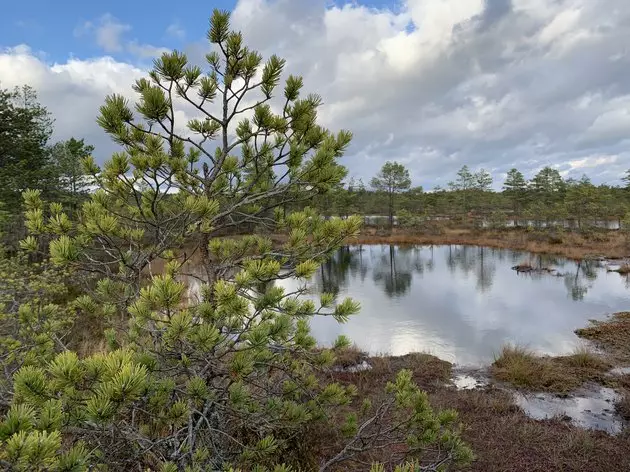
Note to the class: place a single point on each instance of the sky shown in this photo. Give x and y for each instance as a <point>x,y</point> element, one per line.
<point>432,84</point>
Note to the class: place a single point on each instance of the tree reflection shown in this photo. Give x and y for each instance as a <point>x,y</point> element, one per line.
<point>473,259</point>
<point>393,269</point>
<point>334,275</point>
<point>581,280</point>
<point>578,280</point>
<point>485,269</point>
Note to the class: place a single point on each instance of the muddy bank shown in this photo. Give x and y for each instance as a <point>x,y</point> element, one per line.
<point>607,244</point>
<point>507,429</point>
<point>528,412</point>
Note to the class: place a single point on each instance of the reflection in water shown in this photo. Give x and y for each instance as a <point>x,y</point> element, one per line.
<point>345,263</point>
<point>463,303</point>
<point>393,271</point>
<point>593,409</point>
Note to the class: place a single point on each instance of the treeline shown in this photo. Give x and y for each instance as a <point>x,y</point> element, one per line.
<point>545,199</point>
<point>29,160</point>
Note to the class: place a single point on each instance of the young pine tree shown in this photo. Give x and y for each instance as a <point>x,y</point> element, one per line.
<point>226,376</point>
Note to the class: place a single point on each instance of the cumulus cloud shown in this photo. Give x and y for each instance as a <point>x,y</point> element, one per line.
<point>73,91</point>
<point>108,32</point>
<point>433,84</point>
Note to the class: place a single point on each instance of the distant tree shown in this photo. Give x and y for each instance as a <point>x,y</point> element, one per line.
<point>346,198</point>
<point>392,179</point>
<point>482,180</point>
<point>25,128</point>
<point>548,190</point>
<point>413,200</point>
<point>482,195</point>
<point>67,157</point>
<point>465,180</point>
<point>548,182</point>
<point>469,186</point>
<point>582,200</point>
<point>516,189</point>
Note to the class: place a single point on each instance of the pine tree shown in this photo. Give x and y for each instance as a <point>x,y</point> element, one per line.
<point>25,128</point>
<point>465,180</point>
<point>548,190</point>
<point>67,157</point>
<point>231,376</point>
<point>483,180</point>
<point>392,179</point>
<point>516,189</point>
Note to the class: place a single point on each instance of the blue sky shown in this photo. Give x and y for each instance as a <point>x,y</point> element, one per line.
<point>53,27</point>
<point>433,84</point>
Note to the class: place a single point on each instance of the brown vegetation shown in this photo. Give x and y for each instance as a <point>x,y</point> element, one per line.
<point>523,369</point>
<point>501,435</point>
<point>506,440</point>
<point>573,245</point>
<point>612,335</point>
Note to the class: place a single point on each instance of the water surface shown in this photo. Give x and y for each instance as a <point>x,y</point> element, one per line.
<point>462,303</point>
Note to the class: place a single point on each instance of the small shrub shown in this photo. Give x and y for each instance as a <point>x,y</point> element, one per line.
<point>556,238</point>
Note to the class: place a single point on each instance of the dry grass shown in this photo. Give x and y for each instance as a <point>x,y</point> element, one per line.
<point>349,356</point>
<point>523,369</point>
<point>585,358</point>
<point>612,335</point>
<point>428,372</point>
<point>624,269</point>
<point>623,406</point>
<point>503,438</point>
<point>571,245</point>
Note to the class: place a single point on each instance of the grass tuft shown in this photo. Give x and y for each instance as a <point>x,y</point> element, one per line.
<point>585,358</point>
<point>523,369</point>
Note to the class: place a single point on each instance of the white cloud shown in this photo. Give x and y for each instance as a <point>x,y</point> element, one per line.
<point>108,32</point>
<point>433,83</point>
<point>592,161</point>
<point>145,50</point>
<point>175,30</point>
<point>73,91</point>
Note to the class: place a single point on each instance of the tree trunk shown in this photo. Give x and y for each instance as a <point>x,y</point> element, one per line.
<point>391,209</point>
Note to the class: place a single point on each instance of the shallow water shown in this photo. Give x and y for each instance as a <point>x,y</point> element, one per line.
<point>462,303</point>
<point>590,408</point>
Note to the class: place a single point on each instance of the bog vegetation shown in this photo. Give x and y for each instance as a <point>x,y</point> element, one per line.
<point>546,200</point>
<point>108,365</point>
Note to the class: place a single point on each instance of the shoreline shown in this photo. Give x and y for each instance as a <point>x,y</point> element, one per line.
<point>509,422</point>
<point>517,427</point>
<point>608,244</point>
